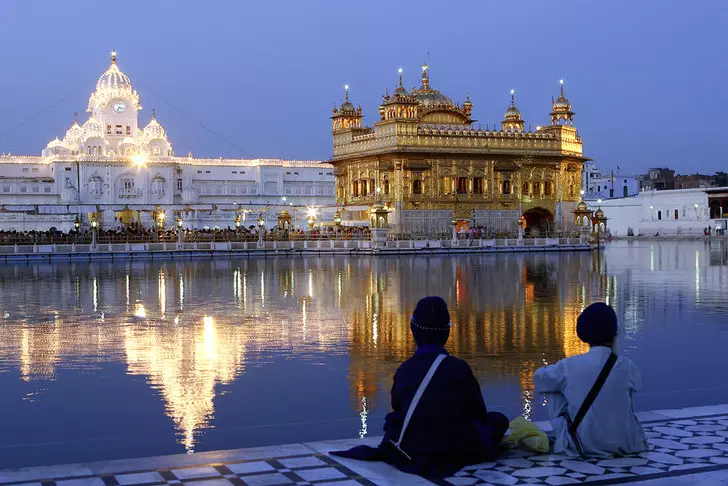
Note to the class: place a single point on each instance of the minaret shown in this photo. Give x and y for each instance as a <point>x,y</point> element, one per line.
<point>512,120</point>
<point>346,117</point>
<point>561,113</point>
<point>401,105</point>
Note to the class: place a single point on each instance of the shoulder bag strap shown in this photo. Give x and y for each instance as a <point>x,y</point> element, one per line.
<point>418,394</point>
<point>592,395</point>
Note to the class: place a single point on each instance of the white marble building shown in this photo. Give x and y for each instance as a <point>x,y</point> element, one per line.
<point>607,186</point>
<point>115,168</point>
<point>650,213</point>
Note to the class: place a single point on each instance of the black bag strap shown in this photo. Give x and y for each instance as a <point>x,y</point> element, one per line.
<point>592,395</point>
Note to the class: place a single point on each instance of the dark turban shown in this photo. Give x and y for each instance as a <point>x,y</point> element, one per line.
<point>597,325</point>
<point>430,322</point>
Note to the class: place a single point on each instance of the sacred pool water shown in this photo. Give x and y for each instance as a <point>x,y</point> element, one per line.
<point>128,359</point>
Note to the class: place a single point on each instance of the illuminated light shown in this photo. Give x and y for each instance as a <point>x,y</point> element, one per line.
<point>538,127</point>
<point>399,70</point>
<point>513,91</point>
<point>599,200</point>
<point>652,207</point>
<point>140,312</point>
<point>139,160</point>
<point>346,86</point>
<point>561,81</point>
<point>312,212</point>
<point>582,192</point>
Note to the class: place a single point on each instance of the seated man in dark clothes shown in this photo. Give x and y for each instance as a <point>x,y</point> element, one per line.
<point>449,427</point>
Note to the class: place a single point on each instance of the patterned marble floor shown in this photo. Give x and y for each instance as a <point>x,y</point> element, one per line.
<point>688,446</point>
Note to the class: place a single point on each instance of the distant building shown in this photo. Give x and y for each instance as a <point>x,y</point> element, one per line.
<point>658,179</point>
<point>668,212</point>
<point>607,186</point>
<point>118,171</point>
<point>694,181</point>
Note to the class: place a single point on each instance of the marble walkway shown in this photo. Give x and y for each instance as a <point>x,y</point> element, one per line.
<point>687,447</point>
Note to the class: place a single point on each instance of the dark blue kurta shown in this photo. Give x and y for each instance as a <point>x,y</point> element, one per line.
<point>450,429</point>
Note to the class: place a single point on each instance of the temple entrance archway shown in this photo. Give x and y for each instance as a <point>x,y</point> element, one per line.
<point>539,221</point>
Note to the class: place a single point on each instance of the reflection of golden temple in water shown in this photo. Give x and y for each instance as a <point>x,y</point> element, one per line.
<point>190,328</point>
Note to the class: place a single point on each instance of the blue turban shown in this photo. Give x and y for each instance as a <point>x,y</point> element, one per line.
<point>597,325</point>
<point>430,322</point>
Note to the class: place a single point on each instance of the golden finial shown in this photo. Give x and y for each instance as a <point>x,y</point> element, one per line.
<point>154,114</point>
<point>561,82</point>
<point>113,56</point>
<point>400,77</point>
<point>425,76</point>
<point>346,92</point>
<point>513,97</point>
<point>75,117</point>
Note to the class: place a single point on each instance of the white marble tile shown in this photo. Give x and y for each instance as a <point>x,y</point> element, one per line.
<point>196,472</point>
<point>605,477</point>
<point>645,470</point>
<point>250,467</point>
<point>582,467</point>
<point>266,480</point>
<point>622,462</point>
<point>696,453</point>
<point>139,478</point>
<point>495,477</point>
<point>339,445</point>
<point>695,411</point>
<point>213,482</point>
<point>81,482</point>
<point>662,458</point>
<point>556,480</point>
<point>715,478</point>
<point>296,462</point>
<point>381,473</point>
<point>703,439</point>
<point>44,472</point>
<point>457,481</point>
<point>672,431</point>
<point>719,460</point>
<point>539,472</point>
<point>320,474</point>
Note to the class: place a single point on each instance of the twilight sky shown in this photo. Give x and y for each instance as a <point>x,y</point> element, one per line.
<point>648,80</point>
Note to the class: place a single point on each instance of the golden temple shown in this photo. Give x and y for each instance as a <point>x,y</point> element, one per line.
<point>427,161</point>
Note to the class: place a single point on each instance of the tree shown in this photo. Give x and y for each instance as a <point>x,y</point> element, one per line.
<point>720,179</point>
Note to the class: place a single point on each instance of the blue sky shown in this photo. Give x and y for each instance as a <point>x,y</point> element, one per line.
<point>648,80</point>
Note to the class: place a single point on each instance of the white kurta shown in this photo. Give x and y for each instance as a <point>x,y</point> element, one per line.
<point>610,426</point>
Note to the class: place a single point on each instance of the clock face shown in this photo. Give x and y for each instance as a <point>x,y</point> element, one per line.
<point>119,107</point>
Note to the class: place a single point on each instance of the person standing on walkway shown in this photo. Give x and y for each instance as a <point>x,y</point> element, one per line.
<point>590,395</point>
<point>439,423</point>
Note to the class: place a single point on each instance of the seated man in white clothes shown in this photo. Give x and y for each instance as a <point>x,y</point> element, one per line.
<point>609,425</point>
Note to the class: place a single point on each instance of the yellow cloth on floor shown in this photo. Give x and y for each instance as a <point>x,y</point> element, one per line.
<point>527,435</point>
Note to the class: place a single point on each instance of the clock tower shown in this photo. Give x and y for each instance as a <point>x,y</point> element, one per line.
<point>115,105</point>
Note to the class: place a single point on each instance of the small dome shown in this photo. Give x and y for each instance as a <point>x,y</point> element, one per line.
<point>128,141</point>
<point>55,143</point>
<point>113,85</point>
<point>513,113</point>
<point>432,98</point>
<point>561,104</point>
<point>74,135</point>
<point>582,206</point>
<point>113,78</point>
<point>599,213</point>
<point>154,131</point>
<point>92,129</point>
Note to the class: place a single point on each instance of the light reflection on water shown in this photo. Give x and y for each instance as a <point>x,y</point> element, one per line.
<point>247,352</point>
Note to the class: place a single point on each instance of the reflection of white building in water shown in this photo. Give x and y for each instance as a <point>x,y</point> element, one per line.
<point>112,164</point>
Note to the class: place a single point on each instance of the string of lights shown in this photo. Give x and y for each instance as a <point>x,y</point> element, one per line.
<point>202,125</point>
<point>45,110</point>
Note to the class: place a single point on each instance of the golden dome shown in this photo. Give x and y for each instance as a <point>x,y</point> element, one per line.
<point>561,104</point>
<point>428,96</point>
<point>513,114</point>
<point>582,206</point>
<point>599,213</point>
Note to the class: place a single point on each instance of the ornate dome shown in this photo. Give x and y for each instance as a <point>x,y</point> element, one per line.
<point>512,113</point>
<point>599,213</point>
<point>113,84</point>
<point>582,206</point>
<point>55,143</point>
<point>74,135</point>
<point>561,104</point>
<point>428,96</point>
<point>92,129</point>
<point>153,130</point>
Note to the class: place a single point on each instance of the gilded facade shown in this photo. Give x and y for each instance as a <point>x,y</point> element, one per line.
<point>431,165</point>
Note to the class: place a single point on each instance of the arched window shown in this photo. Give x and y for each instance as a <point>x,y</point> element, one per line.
<point>547,188</point>
<point>386,186</point>
<point>524,188</point>
<point>417,186</point>
<point>506,186</point>
<point>363,187</point>
<point>536,189</point>
<point>355,188</point>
